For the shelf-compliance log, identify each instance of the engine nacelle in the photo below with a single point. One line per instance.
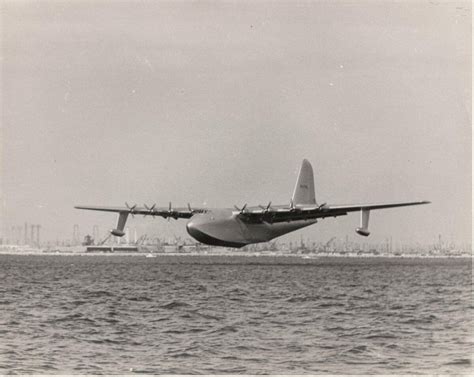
(117, 232)
(362, 231)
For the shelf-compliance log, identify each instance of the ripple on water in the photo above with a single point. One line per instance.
(175, 305)
(180, 314)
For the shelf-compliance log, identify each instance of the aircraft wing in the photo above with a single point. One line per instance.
(368, 207)
(123, 212)
(166, 212)
(311, 212)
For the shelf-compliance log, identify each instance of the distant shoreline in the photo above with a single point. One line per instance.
(230, 254)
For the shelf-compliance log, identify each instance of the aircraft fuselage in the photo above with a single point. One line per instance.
(223, 227)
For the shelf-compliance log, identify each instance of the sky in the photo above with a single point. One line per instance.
(217, 103)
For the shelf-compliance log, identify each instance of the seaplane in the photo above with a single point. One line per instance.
(240, 226)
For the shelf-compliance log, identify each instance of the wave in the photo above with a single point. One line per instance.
(459, 362)
(175, 304)
(381, 336)
(98, 294)
(103, 318)
(421, 320)
(358, 349)
(225, 329)
(330, 305)
(303, 298)
(208, 316)
(75, 317)
(139, 298)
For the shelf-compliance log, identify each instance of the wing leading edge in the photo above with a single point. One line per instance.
(176, 213)
(368, 207)
(313, 212)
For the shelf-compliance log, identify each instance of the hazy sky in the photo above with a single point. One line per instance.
(218, 103)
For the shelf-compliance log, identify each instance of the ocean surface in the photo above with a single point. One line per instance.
(221, 315)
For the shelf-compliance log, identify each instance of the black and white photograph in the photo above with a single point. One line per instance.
(236, 187)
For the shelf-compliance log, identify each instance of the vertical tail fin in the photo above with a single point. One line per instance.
(304, 188)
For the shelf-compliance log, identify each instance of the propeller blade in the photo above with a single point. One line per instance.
(172, 213)
(151, 210)
(241, 210)
(267, 208)
(131, 209)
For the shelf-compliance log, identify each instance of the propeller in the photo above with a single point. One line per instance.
(131, 209)
(151, 210)
(190, 209)
(293, 208)
(168, 215)
(171, 213)
(266, 210)
(241, 210)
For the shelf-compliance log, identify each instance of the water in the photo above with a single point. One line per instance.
(218, 315)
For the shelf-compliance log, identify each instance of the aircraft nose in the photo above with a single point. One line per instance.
(191, 228)
(195, 232)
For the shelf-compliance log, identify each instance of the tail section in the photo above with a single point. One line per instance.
(304, 188)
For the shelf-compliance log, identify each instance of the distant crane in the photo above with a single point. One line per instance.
(141, 240)
(329, 243)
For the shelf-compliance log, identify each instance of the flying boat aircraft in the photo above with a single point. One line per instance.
(237, 227)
